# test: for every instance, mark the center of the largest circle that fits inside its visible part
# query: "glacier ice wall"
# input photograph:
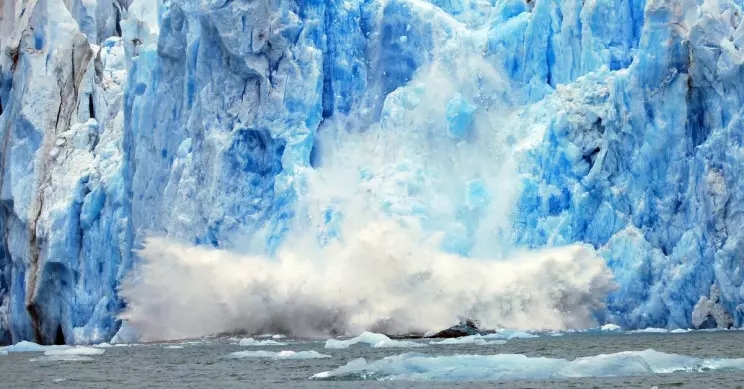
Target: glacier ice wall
(499, 125)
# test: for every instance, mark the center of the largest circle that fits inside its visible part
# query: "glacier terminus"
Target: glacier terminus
(548, 163)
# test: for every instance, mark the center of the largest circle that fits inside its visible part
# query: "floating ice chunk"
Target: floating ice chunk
(371, 339)
(472, 339)
(414, 366)
(285, 354)
(279, 336)
(172, 347)
(611, 328)
(651, 331)
(680, 331)
(556, 333)
(75, 351)
(63, 358)
(103, 345)
(3, 352)
(25, 347)
(254, 342)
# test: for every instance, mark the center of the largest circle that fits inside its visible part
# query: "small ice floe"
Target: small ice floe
(285, 354)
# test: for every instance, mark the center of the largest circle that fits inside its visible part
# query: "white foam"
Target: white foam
(285, 354)
(173, 347)
(472, 339)
(414, 366)
(509, 334)
(371, 339)
(75, 351)
(254, 342)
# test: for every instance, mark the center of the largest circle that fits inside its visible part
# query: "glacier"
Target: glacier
(498, 126)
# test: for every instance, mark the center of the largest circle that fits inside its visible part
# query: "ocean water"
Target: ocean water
(207, 364)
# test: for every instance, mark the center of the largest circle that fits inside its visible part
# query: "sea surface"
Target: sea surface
(208, 363)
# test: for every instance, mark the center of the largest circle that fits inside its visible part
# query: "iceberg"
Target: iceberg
(286, 354)
(371, 339)
(609, 327)
(30, 347)
(490, 128)
(507, 367)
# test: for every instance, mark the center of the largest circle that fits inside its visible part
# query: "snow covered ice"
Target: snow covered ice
(418, 367)
(243, 147)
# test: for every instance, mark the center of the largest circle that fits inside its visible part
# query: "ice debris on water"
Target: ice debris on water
(285, 354)
(371, 339)
(254, 342)
(471, 339)
(422, 367)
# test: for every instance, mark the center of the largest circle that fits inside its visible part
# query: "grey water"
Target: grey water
(205, 364)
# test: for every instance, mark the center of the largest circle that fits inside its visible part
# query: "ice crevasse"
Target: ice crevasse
(204, 120)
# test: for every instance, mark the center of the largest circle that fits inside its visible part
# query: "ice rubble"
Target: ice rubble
(204, 121)
(420, 367)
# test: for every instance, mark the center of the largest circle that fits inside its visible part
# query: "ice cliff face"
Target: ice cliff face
(204, 120)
